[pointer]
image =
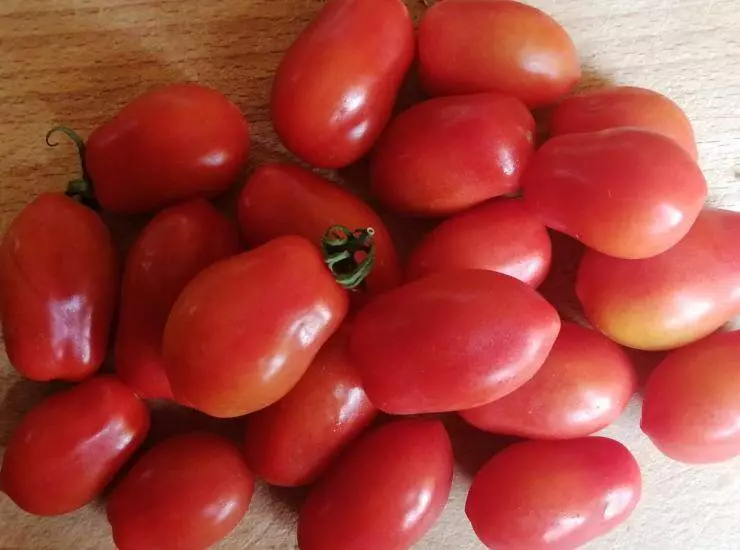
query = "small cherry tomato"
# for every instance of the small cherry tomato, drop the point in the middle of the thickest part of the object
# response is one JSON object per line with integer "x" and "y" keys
{"x": 469, "y": 46}
{"x": 67, "y": 448}
{"x": 626, "y": 192}
{"x": 553, "y": 495}
{"x": 451, "y": 341}
{"x": 385, "y": 492}
{"x": 450, "y": 153}
{"x": 584, "y": 385}
{"x": 335, "y": 88}
{"x": 173, "y": 248}
{"x": 188, "y": 492}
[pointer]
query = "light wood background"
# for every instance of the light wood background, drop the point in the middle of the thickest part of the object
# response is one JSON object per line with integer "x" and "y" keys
{"x": 78, "y": 61}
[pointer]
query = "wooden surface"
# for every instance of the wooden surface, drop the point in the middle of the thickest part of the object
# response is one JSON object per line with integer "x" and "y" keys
{"x": 78, "y": 61}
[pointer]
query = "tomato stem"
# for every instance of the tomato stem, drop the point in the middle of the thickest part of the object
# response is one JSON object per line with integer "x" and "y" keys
{"x": 350, "y": 255}
{"x": 79, "y": 188}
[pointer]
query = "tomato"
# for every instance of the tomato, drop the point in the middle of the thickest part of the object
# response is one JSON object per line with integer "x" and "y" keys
{"x": 67, "y": 448}
{"x": 620, "y": 107}
{"x": 553, "y": 495}
{"x": 335, "y": 87}
{"x": 469, "y": 46}
{"x": 447, "y": 154}
{"x": 58, "y": 287}
{"x": 451, "y": 341}
{"x": 385, "y": 492}
{"x": 626, "y": 192}
{"x": 583, "y": 386}
{"x": 672, "y": 299}
{"x": 188, "y": 492}
{"x": 173, "y": 248}
{"x": 500, "y": 235}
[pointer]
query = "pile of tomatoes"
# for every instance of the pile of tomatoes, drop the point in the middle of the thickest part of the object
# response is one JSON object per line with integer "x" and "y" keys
{"x": 318, "y": 327}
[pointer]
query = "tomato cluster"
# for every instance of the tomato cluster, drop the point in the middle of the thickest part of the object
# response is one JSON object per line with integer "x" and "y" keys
{"x": 302, "y": 317}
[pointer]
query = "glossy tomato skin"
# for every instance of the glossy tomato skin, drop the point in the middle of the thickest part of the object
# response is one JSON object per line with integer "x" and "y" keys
{"x": 553, "y": 495}
{"x": 174, "y": 247}
{"x": 455, "y": 340}
{"x": 447, "y": 154}
{"x": 170, "y": 144}
{"x": 386, "y": 491}
{"x": 500, "y": 235}
{"x": 58, "y": 287}
{"x": 583, "y": 386}
{"x": 335, "y": 87}
{"x": 626, "y": 192}
{"x": 621, "y": 107}
{"x": 669, "y": 300}
{"x": 469, "y": 46}
{"x": 187, "y": 492}
{"x": 245, "y": 330}
{"x": 67, "y": 448}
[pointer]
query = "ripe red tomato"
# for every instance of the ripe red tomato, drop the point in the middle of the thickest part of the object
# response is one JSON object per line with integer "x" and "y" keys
{"x": 583, "y": 386}
{"x": 335, "y": 87}
{"x": 385, "y": 492}
{"x": 58, "y": 287}
{"x": 451, "y": 341}
{"x": 244, "y": 331}
{"x": 469, "y": 46}
{"x": 672, "y": 299}
{"x": 621, "y": 107}
{"x": 447, "y": 154}
{"x": 66, "y": 449}
{"x": 626, "y": 192}
{"x": 691, "y": 409}
{"x": 173, "y": 248}
{"x": 188, "y": 492}
{"x": 553, "y": 495}
{"x": 500, "y": 235}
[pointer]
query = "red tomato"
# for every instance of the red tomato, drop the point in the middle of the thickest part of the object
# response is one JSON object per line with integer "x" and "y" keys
{"x": 625, "y": 192}
{"x": 291, "y": 442}
{"x": 469, "y": 46}
{"x": 447, "y": 154}
{"x": 620, "y": 107}
{"x": 244, "y": 331}
{"x": 188, "y": 492}
{"x": 691, "y": 409}
{"x": 672, "y": 299}
{"x": 501, "y": 235}
{"x": 553, "y": 495}
{"x": 58, "y": 287}
{"x": 66, "y": 449}
{"x": 173, "y": 248}
{"x": 583, "y": 386}
{"x": 335, "y": 87}
{"x": 385, "y": 492}
{"x": 451, "y": 341}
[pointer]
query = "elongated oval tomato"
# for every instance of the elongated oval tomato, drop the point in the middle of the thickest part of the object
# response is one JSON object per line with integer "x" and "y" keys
{"x": 468, "y": 46}
{"x": 173, "y": 248}
{"x": 500, "y": 235}
{"x": 447, "y": 154}
{"x": 67, "y": 448}
{"x": 58, "y": 287}
{"x": 621, "y": 107}
{"x": 385, "y": 492}
{"x": 451, "y": 341}
{"x": 291, "y": 442}
{"x": 346, "y": 67}
{"x": 553, "y": 495}
{"x": 626, "y": 192}
{"x": 672, "y": 299}
{"x": 583, "y": 386}
{"x": 189, "y": 491}
{"x": 244, "y": 331}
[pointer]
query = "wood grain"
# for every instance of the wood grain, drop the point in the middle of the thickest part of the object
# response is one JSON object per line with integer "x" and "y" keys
{"x": 78, "y": 61}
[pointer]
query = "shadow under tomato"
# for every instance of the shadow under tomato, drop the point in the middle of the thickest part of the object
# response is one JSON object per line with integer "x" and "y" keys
{"x": 559, "y": 288}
